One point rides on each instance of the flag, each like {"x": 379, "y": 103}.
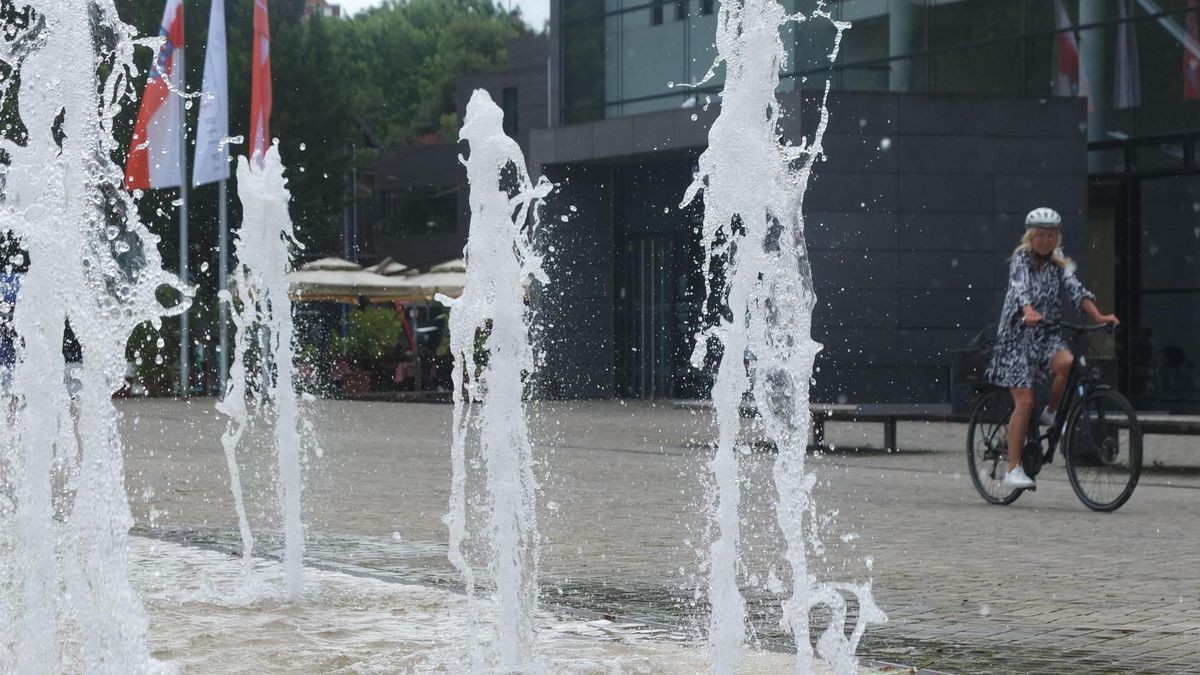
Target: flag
{"x": 1191, "y": 60}
{"x": 1127, "y": 85}
{"x": 260, "y": 84}
{"x": 1069, "y": 77}
{"x": 212, "y": 152}
{"x": 156, "y": 152}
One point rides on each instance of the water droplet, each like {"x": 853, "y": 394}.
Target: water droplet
{"x": 204, "y": 267}
{"x": 885, "y": 143}
{"x": 303, "y": 147}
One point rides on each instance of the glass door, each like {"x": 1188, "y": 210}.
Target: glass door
{"x": 649, "y": 306}
{"x": 1165, "y": 333}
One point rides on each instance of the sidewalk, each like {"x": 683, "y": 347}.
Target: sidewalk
{"x": 1041, "y": 586}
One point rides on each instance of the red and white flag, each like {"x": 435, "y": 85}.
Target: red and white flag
{"x": 1127, "y": 85}
{"x": 156, "y": 153}
{"x": 1069, "y": 78}
{"x": 1191, "y": 60}
{"x": 212, "y": 129}
{"x": 260, "y": 84}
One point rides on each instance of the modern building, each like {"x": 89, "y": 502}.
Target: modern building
{"x": 950, "y": 120}
{"x": 417, "y": 212}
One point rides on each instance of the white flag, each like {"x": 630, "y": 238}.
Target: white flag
{"x": 212, "y": 149}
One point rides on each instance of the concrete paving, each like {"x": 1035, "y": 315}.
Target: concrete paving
{"x": 1044, "y": 585}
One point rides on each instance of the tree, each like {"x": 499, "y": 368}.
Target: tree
{"x": 392, "y": 68}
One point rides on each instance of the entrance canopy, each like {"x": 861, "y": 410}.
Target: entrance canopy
{"x": 337, "y": 280}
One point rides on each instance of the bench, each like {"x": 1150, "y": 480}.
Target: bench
{"x": 889, "y": 414}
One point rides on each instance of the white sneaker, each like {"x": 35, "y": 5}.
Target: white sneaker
{"x": 1016, "y": 479}
{"x": 1046, "y": 418}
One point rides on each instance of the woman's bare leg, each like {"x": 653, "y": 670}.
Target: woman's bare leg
{"x": 1061, "y": 366}
{"x": 1018, "y": 424}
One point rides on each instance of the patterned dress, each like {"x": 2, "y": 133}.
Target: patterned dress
{"x": 1023, "y": 353}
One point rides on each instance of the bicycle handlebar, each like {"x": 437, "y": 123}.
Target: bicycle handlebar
{"x": 1051, "y": 323}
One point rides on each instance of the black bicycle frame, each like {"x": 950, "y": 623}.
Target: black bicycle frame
{"x": 1078, "y": 383}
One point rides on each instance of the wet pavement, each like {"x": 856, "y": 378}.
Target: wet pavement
{"x": 1043, "y": 585}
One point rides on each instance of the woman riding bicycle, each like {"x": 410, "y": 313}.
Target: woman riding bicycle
{"x": 1025, "y": 350}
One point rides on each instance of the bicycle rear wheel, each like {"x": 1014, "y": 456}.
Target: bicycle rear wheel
{"x": 1103, "y": 447}
{"x": 987, "y": 446}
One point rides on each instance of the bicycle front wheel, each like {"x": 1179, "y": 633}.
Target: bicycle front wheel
{"x": 1103, "y": 450}
{"x": 987, "y": 446}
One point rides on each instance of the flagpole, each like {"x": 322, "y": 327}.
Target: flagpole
{"x": 184, "y": 337}
{"x": 223, "y": 282}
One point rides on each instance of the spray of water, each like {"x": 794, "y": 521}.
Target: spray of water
{"x": 753, "y": 188}
{"x": 92, "y": 263}
{"x": 263, "y": 248}
{"x": 233, "y": 406}
{"x": 490, "y": 340}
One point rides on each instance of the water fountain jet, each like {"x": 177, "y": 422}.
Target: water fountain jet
{"x": 92, "y": 263}
{"x": 753, "y": 220}
{"x": 492, "y": 317}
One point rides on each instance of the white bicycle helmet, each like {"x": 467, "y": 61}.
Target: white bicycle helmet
{"x": 1043, "y": 217}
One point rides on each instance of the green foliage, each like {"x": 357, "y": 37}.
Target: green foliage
{"x": 403, "y": 60}
{"x": 155, "y": 368}
{"x": 371, "y": 335}
{"x": 391, "y": 68}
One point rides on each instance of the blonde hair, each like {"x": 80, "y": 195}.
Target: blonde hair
{"x": 1057, "y": 257}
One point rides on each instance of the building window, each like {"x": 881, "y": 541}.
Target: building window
{"x": 706, "y": 7}
{"x": 508, "y": 103}
{"x": 656, "y": 13}
{"x": 583, "y": 56}
{"x": 419, "y": 211}
{"x": 681, "y": 9}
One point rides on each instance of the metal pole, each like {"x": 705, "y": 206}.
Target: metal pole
{"x": 415, "y": 314}
{"x": 354, "y": 202}
{"x": 223, "y": 284}
{"x": 184, "y": 337}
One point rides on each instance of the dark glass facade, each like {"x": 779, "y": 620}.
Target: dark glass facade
{"x": 623, "y": 57}
{"x": 1130, "y": 59}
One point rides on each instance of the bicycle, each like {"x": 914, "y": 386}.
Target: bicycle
{"x": 1099, "y": 430}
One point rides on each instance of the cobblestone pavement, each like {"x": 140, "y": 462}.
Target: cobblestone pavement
{"x": 1043, "y": 585}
